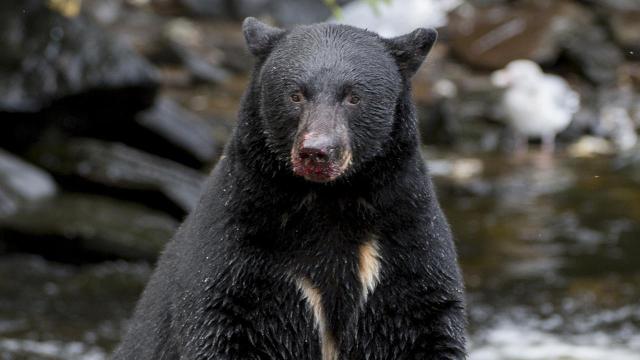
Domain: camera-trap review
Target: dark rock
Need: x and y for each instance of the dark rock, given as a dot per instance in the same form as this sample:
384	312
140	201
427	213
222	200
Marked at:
198	49
625	27
164	129
58	69
119	170
284	12
215	8
104	12
617	5
21	184
181	129
492	36
47	56
463	111
139	26
187	44
594	53
80	228
201	70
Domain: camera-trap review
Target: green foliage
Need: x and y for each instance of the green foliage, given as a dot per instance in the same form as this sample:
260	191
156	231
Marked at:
375	4
337	10
334	7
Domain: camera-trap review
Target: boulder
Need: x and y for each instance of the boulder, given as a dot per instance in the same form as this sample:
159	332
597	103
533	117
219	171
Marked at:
183	134
51	52
594	53
462	112
22	183
284	12
618	5
187	45
215	8
118	170
493	35
58	68
624	23
82	228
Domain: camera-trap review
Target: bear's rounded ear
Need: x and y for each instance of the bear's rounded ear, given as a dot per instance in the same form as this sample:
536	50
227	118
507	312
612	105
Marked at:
411	49
259	36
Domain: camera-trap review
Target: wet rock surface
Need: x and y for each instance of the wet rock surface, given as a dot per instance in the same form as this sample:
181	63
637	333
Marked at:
592	50
625	26
79	228
285	12
217	8
48	55
21	184
112	167
490	36
181	129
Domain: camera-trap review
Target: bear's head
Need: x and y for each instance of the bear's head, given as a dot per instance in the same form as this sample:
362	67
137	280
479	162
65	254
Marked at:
328	93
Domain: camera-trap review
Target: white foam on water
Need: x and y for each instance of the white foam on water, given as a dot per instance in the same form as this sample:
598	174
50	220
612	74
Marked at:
508	341
54	349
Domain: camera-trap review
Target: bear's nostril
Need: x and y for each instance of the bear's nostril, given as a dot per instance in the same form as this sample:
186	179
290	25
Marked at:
313	154
321	157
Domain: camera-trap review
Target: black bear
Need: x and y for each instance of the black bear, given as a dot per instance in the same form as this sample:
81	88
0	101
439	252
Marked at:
319	235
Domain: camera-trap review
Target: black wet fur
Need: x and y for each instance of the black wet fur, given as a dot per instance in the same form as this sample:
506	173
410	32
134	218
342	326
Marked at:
224	287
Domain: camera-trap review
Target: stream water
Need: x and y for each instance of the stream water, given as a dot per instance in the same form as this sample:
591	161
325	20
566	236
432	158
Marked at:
550	251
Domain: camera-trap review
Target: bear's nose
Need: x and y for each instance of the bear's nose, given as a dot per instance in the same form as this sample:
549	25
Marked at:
314	154
317	149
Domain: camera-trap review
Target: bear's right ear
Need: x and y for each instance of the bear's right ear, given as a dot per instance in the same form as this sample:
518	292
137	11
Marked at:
411	49
259	36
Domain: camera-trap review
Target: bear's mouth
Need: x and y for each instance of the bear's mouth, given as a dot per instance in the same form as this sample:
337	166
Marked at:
320	171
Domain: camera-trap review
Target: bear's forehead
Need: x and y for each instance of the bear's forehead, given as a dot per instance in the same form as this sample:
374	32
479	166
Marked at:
338	34
333	41
341	48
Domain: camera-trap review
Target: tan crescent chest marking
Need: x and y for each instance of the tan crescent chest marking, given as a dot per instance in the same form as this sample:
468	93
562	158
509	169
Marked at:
369	267
314	300
369	276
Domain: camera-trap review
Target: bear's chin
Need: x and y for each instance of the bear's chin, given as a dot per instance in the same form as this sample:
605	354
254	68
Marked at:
319	178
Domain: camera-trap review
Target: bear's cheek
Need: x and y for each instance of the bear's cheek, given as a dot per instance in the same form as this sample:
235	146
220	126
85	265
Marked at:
368	137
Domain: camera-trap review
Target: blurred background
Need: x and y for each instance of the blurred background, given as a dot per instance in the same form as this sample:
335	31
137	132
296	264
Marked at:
113	111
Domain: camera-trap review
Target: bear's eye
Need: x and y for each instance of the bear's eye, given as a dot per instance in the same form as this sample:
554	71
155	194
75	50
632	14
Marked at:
353	99
296	97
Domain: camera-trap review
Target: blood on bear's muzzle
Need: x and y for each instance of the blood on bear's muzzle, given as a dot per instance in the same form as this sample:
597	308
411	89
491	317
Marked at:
320	157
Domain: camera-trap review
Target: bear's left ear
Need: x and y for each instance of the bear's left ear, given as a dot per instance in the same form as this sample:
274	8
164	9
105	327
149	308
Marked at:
411	49
259	36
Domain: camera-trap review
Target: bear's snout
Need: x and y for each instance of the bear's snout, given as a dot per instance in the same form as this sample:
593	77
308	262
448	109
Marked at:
318	149
319	157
